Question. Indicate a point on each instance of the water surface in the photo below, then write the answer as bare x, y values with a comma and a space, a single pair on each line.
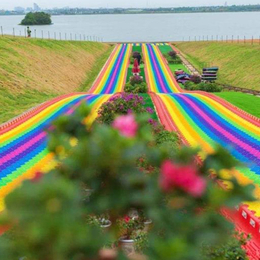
143, 27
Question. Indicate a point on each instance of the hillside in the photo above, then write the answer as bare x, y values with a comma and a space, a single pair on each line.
239, 63
33, 71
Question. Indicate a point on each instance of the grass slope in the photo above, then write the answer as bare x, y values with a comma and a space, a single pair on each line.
33, 71
248, 103
173, 67
239, 63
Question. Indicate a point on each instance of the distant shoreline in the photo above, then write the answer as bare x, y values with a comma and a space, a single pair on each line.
135, 13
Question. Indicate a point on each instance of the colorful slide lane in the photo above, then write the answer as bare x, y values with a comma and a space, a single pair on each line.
23, 149
113, 76
23, 141
204, 120
158, 74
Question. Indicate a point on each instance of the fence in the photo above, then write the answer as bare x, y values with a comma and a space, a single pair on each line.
221, 38
41, 34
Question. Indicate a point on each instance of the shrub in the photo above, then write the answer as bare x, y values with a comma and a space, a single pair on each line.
120, 105
213, 87
166, 137
38, 18
203, 86
209, 87
135, 54
172, 54
189, 85
162, 136
195, 79
137, 88
136, 79
232, 250
176, 60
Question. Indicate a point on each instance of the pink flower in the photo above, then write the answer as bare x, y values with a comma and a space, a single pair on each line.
127, 219
126, 125
183, 177
37, 177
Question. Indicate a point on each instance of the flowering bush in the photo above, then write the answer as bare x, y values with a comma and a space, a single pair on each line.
233, 250
183, 177
120, 105
126, 125
130, 228
137, 88
172, 54
172, 57
195, 79
136, 79
177, 196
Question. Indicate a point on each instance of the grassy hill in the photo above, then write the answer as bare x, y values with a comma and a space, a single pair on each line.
239, 63
246, 102
33, 71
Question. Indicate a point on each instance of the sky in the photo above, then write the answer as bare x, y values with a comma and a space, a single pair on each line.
10, 4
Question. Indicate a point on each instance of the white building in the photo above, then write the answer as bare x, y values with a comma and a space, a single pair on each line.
36, 8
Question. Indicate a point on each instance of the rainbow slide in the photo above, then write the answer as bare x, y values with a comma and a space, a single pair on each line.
23, 141
204, 120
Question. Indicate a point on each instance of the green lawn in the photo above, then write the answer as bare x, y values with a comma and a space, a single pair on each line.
137, 48
164, 50
149, 103
248, 103
239, 63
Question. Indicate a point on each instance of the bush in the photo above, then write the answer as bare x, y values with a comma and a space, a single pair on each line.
203, 86
136, 79
172, 58
195, 79
172, 54
135, 54
120, 105
229, 251
177, 60
39, 18
189, 85
137, 88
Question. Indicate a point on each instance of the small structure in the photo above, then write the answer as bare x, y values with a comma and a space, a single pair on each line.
210, 74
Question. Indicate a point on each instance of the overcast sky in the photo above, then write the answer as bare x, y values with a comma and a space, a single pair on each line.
10, 4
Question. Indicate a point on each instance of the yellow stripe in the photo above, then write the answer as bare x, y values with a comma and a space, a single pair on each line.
231, 115
27, 124
108, 71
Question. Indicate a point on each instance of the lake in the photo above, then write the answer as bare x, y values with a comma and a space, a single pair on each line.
143, 27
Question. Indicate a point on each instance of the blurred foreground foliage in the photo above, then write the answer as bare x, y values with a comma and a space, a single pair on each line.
98, 173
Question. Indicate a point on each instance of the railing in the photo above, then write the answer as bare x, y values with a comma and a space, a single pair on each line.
47, 35
238, 89
221, 38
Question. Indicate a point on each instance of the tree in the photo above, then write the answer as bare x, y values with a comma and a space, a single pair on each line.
39, 18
